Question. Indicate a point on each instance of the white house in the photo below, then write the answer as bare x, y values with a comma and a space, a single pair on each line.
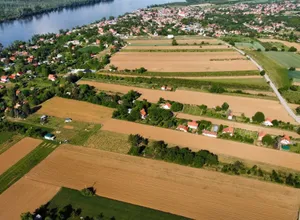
166, 106
193, 125
209, 133
268, 122
170, 36
49, 137
68, 120
182, 128
285, 140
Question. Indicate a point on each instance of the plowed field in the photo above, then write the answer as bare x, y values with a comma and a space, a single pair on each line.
186, 191
17, 152
203, 47
77, 110
182, 61
239, 105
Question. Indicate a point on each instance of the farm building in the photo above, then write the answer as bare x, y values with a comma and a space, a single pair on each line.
285, 140
166, 106
268, 122
67, 120
209, 133
182, 128
193, 125
50, 137
228, 130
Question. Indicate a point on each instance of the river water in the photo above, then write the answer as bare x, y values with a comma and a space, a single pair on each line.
24, 29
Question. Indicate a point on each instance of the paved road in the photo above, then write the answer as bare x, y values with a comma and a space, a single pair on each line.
267, 78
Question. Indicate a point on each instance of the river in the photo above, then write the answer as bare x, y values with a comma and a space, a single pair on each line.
24, 29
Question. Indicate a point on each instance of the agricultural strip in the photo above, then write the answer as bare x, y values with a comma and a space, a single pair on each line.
168, 42
288, 44
77, 110
186, 191
182, 62
16, 152
234, 124
24, 165
217, 146
25, 195
286, 59
198, 47
239, 105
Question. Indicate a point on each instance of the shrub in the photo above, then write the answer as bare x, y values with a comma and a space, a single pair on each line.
292, 68
292, 49
176, 107
258, 117
225, 106
174, 42
89, 191
268, 140
262, 73
298, 110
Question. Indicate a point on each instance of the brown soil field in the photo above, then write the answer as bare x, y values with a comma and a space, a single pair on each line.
191, 192
202, 47
248, 106
288, 44
169, 41
68, 127
181, 61
17, 152
25, 195
198, 142
77, 110
249, 127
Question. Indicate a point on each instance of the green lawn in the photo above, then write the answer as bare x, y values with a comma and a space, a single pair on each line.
286, 59
94, 206
278, 73
23, 166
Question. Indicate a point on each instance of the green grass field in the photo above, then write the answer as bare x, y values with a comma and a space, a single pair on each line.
111, 209
23, 166
253, 81
277, 73
253, 46
286, 59
8, 139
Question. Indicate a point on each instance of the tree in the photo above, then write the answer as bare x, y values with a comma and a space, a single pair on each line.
174, 42
259, 117
262, 73
292, 49
176, 107
268, 140
27, 216
298, 110
89, 191
225, 106
298, 130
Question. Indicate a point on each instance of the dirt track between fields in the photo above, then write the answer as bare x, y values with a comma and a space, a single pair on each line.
77, 110
181, 190
234, 124
248, 106
25, 196
17, 152
198, 142
182, 61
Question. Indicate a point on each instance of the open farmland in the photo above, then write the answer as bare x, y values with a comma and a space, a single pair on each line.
174, 48
168, 42
186, 191
25, 195
217, 146
16, 152
77, 110
239, 105
234, 124
288, 44
286, 59
182, 61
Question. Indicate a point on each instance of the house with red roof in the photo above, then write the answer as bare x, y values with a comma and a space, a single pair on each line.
209, 133
13, 76
268, 122
4, 79
166, 106
193, 125
143, 114
228, 130
182, 128
285, 140
261, 134
52, 77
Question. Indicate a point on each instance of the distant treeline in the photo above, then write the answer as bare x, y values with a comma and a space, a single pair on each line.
21, 8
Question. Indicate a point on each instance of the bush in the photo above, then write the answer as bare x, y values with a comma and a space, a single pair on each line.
268, 140
176, 107
225, 106
292, 49
89, 191
298, 110
174, 42
292, 68
262, 73
259, 117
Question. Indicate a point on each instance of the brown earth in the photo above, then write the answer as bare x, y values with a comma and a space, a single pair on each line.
25, 195
248, 106
288, 44
68, 127
77, 110
198, 142
17, 152
169, 41
191, 192
181, 61
234, 124
202, 47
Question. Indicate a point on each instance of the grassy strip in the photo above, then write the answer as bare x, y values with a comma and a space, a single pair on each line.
195, 74
176, 50
82, 137
23, 166
110, 209
277, 73
11, 139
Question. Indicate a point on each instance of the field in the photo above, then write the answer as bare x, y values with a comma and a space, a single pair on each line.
77, 110
255, 45
16, 152
25, 195
286, 59
93, 206
182, 61
186, 191
192, 115
288, 44
197, 142
8, 139
198, 48
168, 42
109, 141
239, 105
24, 165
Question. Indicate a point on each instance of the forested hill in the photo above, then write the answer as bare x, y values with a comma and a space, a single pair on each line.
11, 9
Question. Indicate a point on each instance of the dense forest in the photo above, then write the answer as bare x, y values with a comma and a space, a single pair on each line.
22, 8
